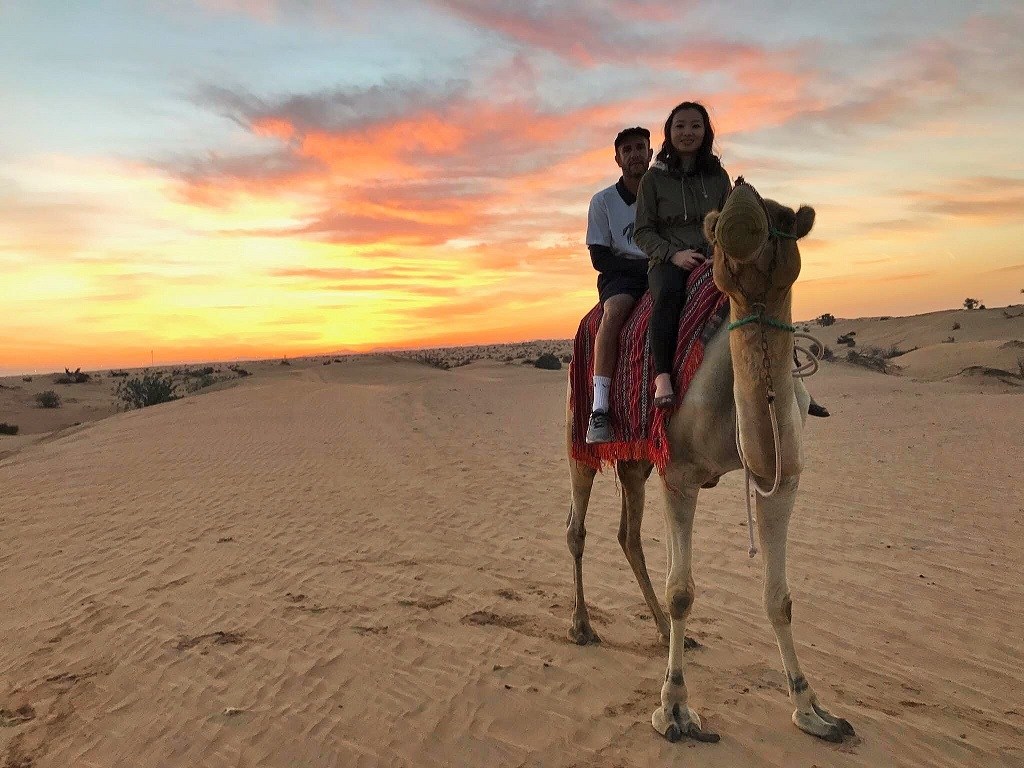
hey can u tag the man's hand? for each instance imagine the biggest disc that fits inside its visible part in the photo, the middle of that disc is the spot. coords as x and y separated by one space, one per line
687 259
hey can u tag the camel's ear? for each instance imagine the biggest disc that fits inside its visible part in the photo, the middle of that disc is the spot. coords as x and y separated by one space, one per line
709 226
804 221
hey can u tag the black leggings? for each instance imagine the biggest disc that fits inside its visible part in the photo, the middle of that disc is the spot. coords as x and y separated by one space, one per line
668 290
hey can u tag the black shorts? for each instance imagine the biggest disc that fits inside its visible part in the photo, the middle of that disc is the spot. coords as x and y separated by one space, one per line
614 283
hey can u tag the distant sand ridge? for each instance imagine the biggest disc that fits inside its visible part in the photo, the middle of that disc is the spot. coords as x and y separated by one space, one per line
363 563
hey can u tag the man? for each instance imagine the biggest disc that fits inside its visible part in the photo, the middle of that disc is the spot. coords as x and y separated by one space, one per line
621 265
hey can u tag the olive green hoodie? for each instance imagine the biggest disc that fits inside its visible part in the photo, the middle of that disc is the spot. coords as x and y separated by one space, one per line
670 210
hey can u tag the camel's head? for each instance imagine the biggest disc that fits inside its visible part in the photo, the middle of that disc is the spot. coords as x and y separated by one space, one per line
756 253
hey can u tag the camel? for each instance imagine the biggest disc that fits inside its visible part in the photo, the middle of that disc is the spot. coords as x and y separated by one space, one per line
746 365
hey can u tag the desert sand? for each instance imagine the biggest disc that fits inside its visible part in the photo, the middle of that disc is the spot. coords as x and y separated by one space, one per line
364 564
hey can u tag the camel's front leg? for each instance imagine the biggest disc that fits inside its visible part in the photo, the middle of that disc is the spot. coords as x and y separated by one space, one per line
772 523
582 479
674 719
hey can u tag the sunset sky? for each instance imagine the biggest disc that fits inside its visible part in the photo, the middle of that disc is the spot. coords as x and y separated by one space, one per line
223 179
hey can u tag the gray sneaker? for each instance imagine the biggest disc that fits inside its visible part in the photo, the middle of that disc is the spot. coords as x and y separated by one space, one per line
600 429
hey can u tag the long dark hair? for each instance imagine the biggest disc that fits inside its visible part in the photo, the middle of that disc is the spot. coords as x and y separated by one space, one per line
706 160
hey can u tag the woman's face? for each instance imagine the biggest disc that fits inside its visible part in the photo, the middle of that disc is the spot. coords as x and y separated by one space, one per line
687 131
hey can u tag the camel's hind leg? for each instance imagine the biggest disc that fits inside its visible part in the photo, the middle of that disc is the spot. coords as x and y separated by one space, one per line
633 476
772 525
582 478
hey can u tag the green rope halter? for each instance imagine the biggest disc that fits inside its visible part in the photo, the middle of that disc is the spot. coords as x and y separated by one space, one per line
762 320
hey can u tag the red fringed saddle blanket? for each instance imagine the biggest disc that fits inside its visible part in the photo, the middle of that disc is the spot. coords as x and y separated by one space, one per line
638 426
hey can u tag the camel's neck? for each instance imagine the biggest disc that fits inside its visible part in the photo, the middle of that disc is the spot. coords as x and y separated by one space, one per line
748 358
750 390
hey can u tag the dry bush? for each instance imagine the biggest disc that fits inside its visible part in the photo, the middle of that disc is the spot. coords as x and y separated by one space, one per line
71 377
48 399
8 429
548 362
873 358
151 389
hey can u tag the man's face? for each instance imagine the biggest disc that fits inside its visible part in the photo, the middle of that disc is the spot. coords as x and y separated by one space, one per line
634 157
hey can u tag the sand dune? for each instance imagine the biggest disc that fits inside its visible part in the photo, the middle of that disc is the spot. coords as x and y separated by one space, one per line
364 564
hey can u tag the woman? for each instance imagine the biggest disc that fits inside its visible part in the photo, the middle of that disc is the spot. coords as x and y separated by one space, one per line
685 183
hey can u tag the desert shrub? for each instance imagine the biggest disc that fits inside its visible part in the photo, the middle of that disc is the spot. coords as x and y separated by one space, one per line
886 317
150 389
871 358
119 374
893 350
8 429
828 355
284 361
26 378
71 377
826 319
239 371
48 399
949 340
326 362
200 372
200 382
847 340
956 326
971 303
548 362
566 358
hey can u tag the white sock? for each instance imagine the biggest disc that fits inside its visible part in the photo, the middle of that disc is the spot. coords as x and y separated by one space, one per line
601 386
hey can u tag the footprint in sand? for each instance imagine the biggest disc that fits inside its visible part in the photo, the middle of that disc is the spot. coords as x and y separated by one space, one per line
216 638
9 718
428 602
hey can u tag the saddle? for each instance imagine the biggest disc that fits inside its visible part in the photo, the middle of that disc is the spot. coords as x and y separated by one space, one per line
639 427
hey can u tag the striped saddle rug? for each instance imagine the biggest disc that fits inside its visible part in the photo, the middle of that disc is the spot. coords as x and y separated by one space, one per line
639 427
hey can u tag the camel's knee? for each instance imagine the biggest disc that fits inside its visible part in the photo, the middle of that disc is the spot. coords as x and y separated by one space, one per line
629 540
780 612
680 600
576 538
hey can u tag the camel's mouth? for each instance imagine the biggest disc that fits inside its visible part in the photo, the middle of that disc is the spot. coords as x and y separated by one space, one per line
742 228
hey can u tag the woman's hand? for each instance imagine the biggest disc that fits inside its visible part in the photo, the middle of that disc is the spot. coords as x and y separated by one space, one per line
687 259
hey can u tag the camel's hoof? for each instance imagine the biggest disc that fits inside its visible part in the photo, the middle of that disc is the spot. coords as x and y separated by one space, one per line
844 725
816 725
708 737
674 727
583 635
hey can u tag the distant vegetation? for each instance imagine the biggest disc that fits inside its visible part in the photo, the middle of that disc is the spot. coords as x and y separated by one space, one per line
548 362
48 399
72 377
8 429
151 388
826 320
